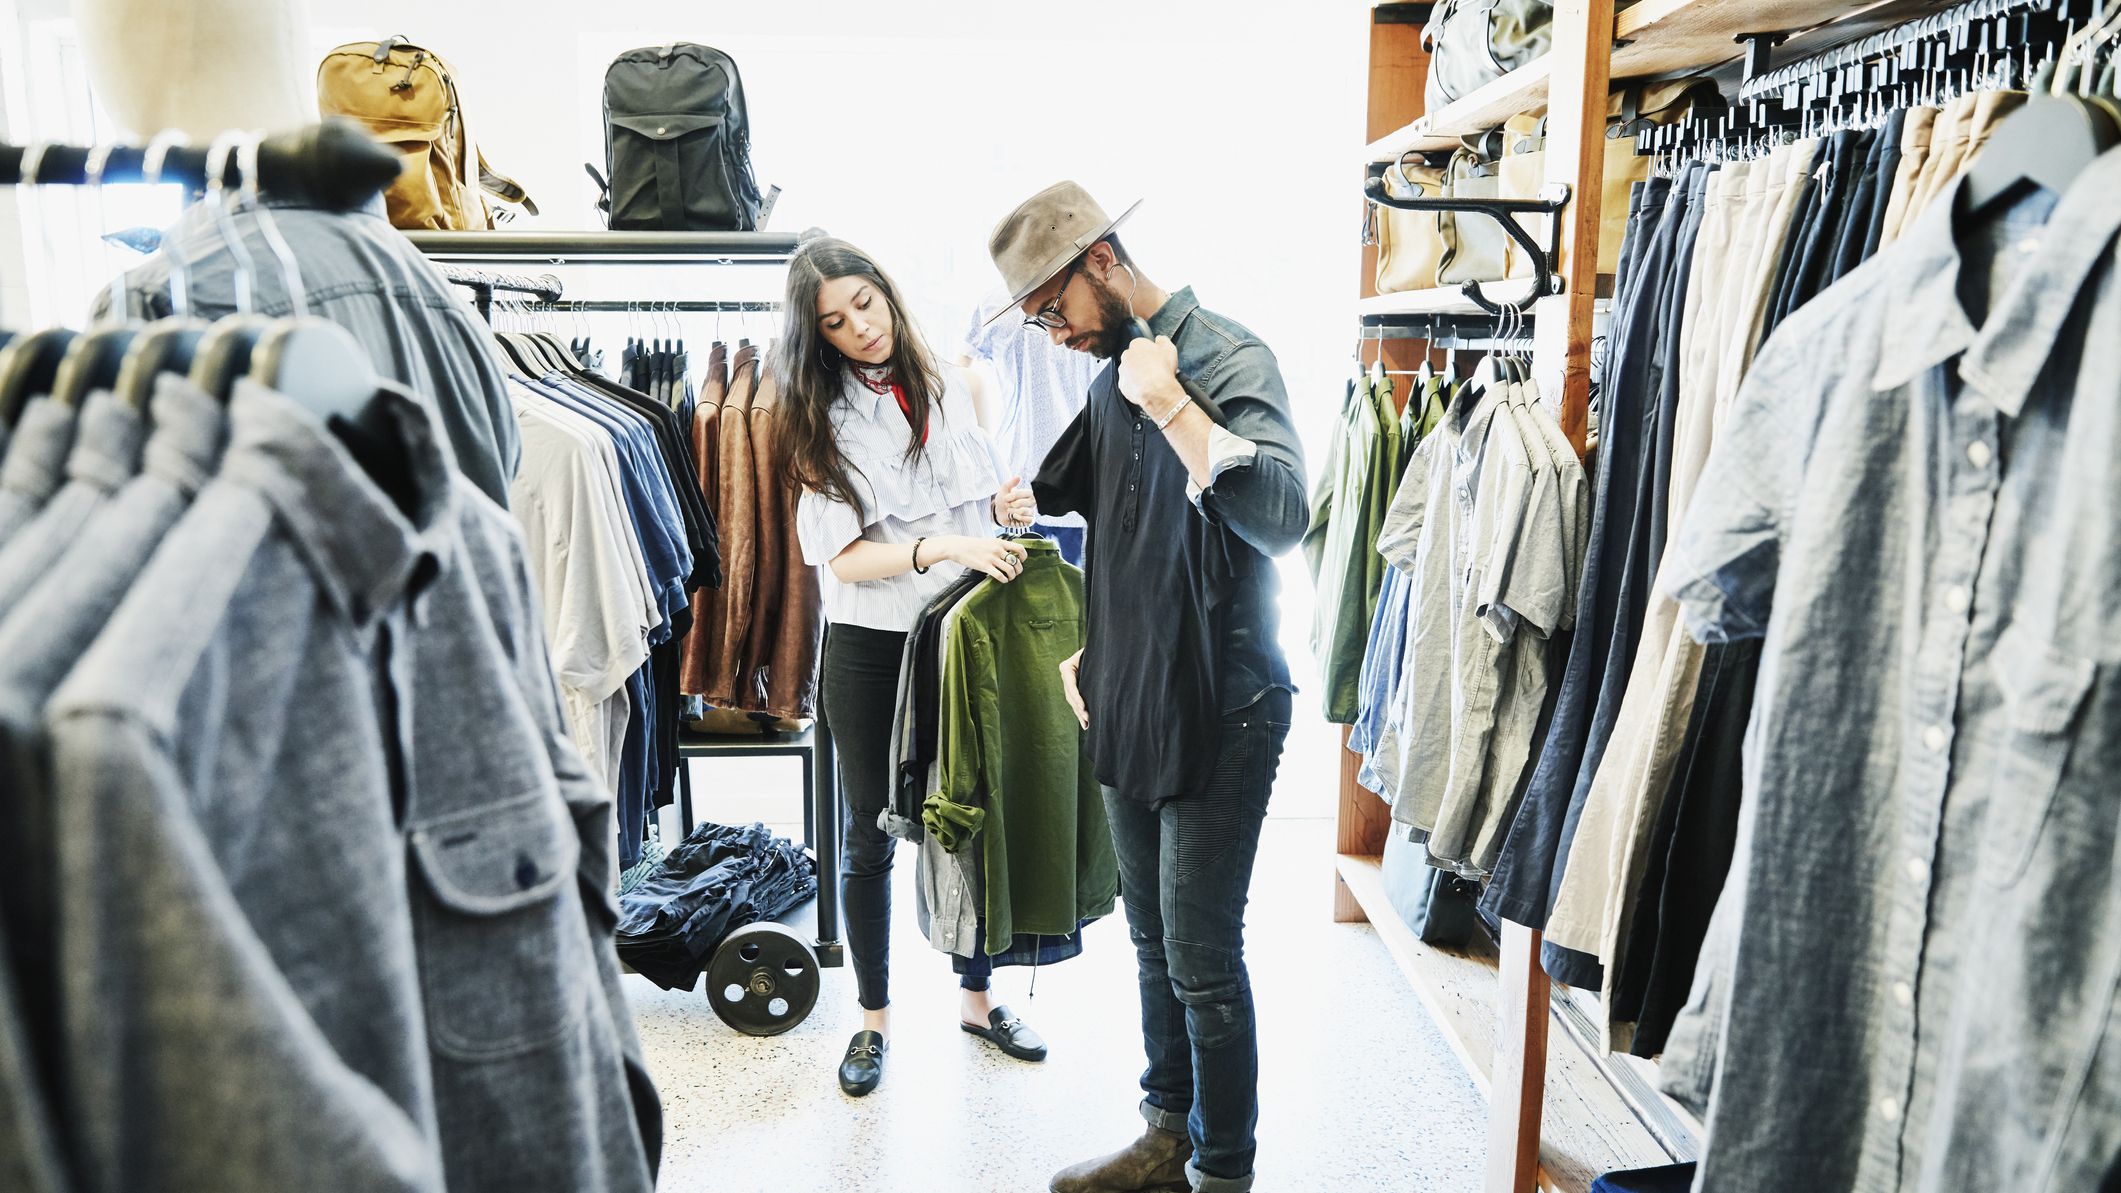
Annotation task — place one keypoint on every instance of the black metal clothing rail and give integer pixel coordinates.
(1958, 21)
(639, 248)
(676, 306)
(483, 286)
(333, 165)
(1552, 201)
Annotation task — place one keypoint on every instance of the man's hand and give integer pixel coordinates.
(1148, 375)
(1015, 506)
(1071, 671)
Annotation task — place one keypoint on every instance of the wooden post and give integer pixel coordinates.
(1582, 59)
(1575, 154)
(1518, 1085)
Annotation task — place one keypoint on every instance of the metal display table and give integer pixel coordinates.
(821, 809)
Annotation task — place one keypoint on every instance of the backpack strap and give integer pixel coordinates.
(502, 186)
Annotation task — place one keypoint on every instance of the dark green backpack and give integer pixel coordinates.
(677, 143)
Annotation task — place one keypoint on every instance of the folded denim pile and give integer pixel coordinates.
(717, 880)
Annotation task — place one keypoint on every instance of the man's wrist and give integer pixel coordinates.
(1168, 405)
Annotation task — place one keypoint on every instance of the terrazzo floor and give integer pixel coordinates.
(1357, 1089)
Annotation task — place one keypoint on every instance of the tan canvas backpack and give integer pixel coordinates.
(405, 96)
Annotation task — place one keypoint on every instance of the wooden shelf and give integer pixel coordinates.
(1589, 1127)
(1665, 37)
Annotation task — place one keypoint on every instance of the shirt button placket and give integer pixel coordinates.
(1969, 499)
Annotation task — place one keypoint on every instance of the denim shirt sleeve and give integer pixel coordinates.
(1256, 486)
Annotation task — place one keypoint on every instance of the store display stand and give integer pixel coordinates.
(456, 252)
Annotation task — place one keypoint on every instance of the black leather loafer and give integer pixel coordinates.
(1010, 1034)
(863, 1066)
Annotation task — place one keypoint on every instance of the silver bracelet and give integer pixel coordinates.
(1177, 410)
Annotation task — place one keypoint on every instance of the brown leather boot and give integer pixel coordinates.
(1155, 1161)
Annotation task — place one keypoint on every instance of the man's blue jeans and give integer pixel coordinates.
(1184, 870)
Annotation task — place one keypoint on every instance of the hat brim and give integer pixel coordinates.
(1046, 275)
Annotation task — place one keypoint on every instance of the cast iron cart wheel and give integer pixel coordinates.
(763, 979)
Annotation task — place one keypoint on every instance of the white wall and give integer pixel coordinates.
(910, 128)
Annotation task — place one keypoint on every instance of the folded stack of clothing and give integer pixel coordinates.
(717, 880)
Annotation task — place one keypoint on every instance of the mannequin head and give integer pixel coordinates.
(203, 66)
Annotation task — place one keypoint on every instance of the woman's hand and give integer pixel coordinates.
(998, 558)
(1071, 683)
(1014, 506)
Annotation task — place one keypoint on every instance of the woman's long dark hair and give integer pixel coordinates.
(811, 372)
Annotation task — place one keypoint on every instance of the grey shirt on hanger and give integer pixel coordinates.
(361, 935)
(106, 454)
(1911, 980)
(35, 464)
(40, 637)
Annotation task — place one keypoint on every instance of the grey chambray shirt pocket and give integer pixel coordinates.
(2043, 691)
(507, 967)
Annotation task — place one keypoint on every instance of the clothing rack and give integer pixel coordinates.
(1524, 1042)
(1958, 21)
(681, 306)
(333, 165)
(452, 250)
(612, 248)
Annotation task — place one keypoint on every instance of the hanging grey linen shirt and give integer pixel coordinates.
(29, 1144)
(365, 276)
(361, 938)
(40, 637)
(1914, 969)
(105, 454)
(35, 464)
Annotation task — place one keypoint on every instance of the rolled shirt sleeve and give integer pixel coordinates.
(1256, 482)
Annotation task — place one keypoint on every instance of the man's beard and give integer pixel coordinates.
(1118, 318)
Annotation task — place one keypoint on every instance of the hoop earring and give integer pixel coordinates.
(827, 355)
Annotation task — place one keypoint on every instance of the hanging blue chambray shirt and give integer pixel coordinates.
(1914, 502)
(1044, 386)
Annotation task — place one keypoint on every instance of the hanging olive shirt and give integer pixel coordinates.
(1014, 779)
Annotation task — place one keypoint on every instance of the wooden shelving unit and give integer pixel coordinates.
(1652, 39)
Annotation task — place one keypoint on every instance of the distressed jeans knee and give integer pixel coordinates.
(1215, 989)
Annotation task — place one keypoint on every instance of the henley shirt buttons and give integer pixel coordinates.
(1917, 870)
(1935, 738)
(1903, 994)
(1979, 453)
(1889, 1110)
(1958, 599)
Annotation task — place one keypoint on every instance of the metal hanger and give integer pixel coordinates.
(92, 360)
(30, 363)
(314, 361)
(166, 345)
(224, 354)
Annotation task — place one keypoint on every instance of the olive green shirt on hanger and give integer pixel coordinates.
(1013, 778)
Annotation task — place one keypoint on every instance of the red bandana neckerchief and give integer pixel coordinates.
(889, 384)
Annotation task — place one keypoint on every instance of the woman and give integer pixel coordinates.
(898, 498)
